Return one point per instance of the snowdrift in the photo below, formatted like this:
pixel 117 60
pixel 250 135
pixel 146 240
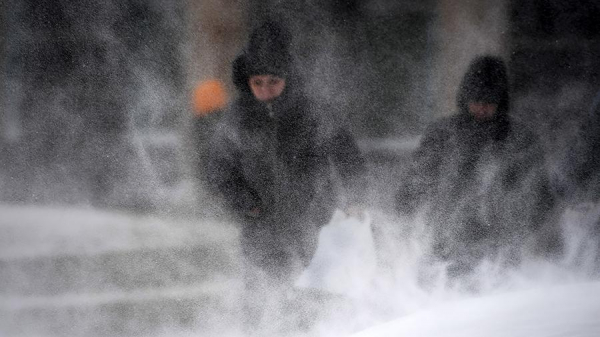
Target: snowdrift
pixel 559 311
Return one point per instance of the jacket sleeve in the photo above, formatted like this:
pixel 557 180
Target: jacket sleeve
pixel 422 172
pixel 582 159
pixel 226 178
pixel 350 165
pixel 544 221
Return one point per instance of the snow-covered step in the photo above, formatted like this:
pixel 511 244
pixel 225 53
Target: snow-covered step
pixel 118 270
pixel 203 309
pixel 83 272
pixel 29 231
pixel 55 251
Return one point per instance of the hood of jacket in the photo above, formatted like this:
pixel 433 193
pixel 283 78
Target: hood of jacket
pixel 486 80
pixel 268 52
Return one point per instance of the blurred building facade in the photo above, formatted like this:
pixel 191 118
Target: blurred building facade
pixel 396 65
pixel 80 79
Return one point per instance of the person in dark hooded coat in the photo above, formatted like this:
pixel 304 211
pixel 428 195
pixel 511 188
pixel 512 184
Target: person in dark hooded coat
pixel 274 162
pixel 479 176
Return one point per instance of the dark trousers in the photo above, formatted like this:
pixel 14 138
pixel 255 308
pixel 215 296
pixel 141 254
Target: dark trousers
pixel 274 257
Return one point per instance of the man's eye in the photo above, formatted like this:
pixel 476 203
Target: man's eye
pixel 258 82
pixel 273 81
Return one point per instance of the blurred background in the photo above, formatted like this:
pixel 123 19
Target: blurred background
pixel 98 111
pixel 97 101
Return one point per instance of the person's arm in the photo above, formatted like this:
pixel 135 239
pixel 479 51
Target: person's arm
pixel 351 167
pixel 421 173
pixel 587 162
pixel 226 178
pixel 545 224
pixel 545 218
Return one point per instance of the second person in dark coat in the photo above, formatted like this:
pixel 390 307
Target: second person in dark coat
pixel 480 176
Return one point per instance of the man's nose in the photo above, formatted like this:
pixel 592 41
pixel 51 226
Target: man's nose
pixel 264 89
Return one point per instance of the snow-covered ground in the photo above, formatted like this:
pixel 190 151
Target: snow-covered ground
pixel 84 272
pixel 559 297
pixel 558 311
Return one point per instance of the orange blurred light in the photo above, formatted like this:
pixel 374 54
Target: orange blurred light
pixel 209 96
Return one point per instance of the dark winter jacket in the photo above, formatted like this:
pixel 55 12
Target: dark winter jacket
pixel 482 184
pixel 280 158
pixel 281 164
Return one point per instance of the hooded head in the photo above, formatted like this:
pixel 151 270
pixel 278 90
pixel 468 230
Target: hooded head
pixel 267 53
pixel 486 81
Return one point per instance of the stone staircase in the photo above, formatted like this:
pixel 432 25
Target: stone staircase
pixel 66 272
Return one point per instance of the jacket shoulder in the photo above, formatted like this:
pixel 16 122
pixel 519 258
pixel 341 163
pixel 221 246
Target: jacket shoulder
pixel 441 130
pixel 523 134
pixel 227 128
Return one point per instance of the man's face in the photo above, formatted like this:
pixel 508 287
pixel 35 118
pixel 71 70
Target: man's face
pixel 266 88
pixel 482 111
